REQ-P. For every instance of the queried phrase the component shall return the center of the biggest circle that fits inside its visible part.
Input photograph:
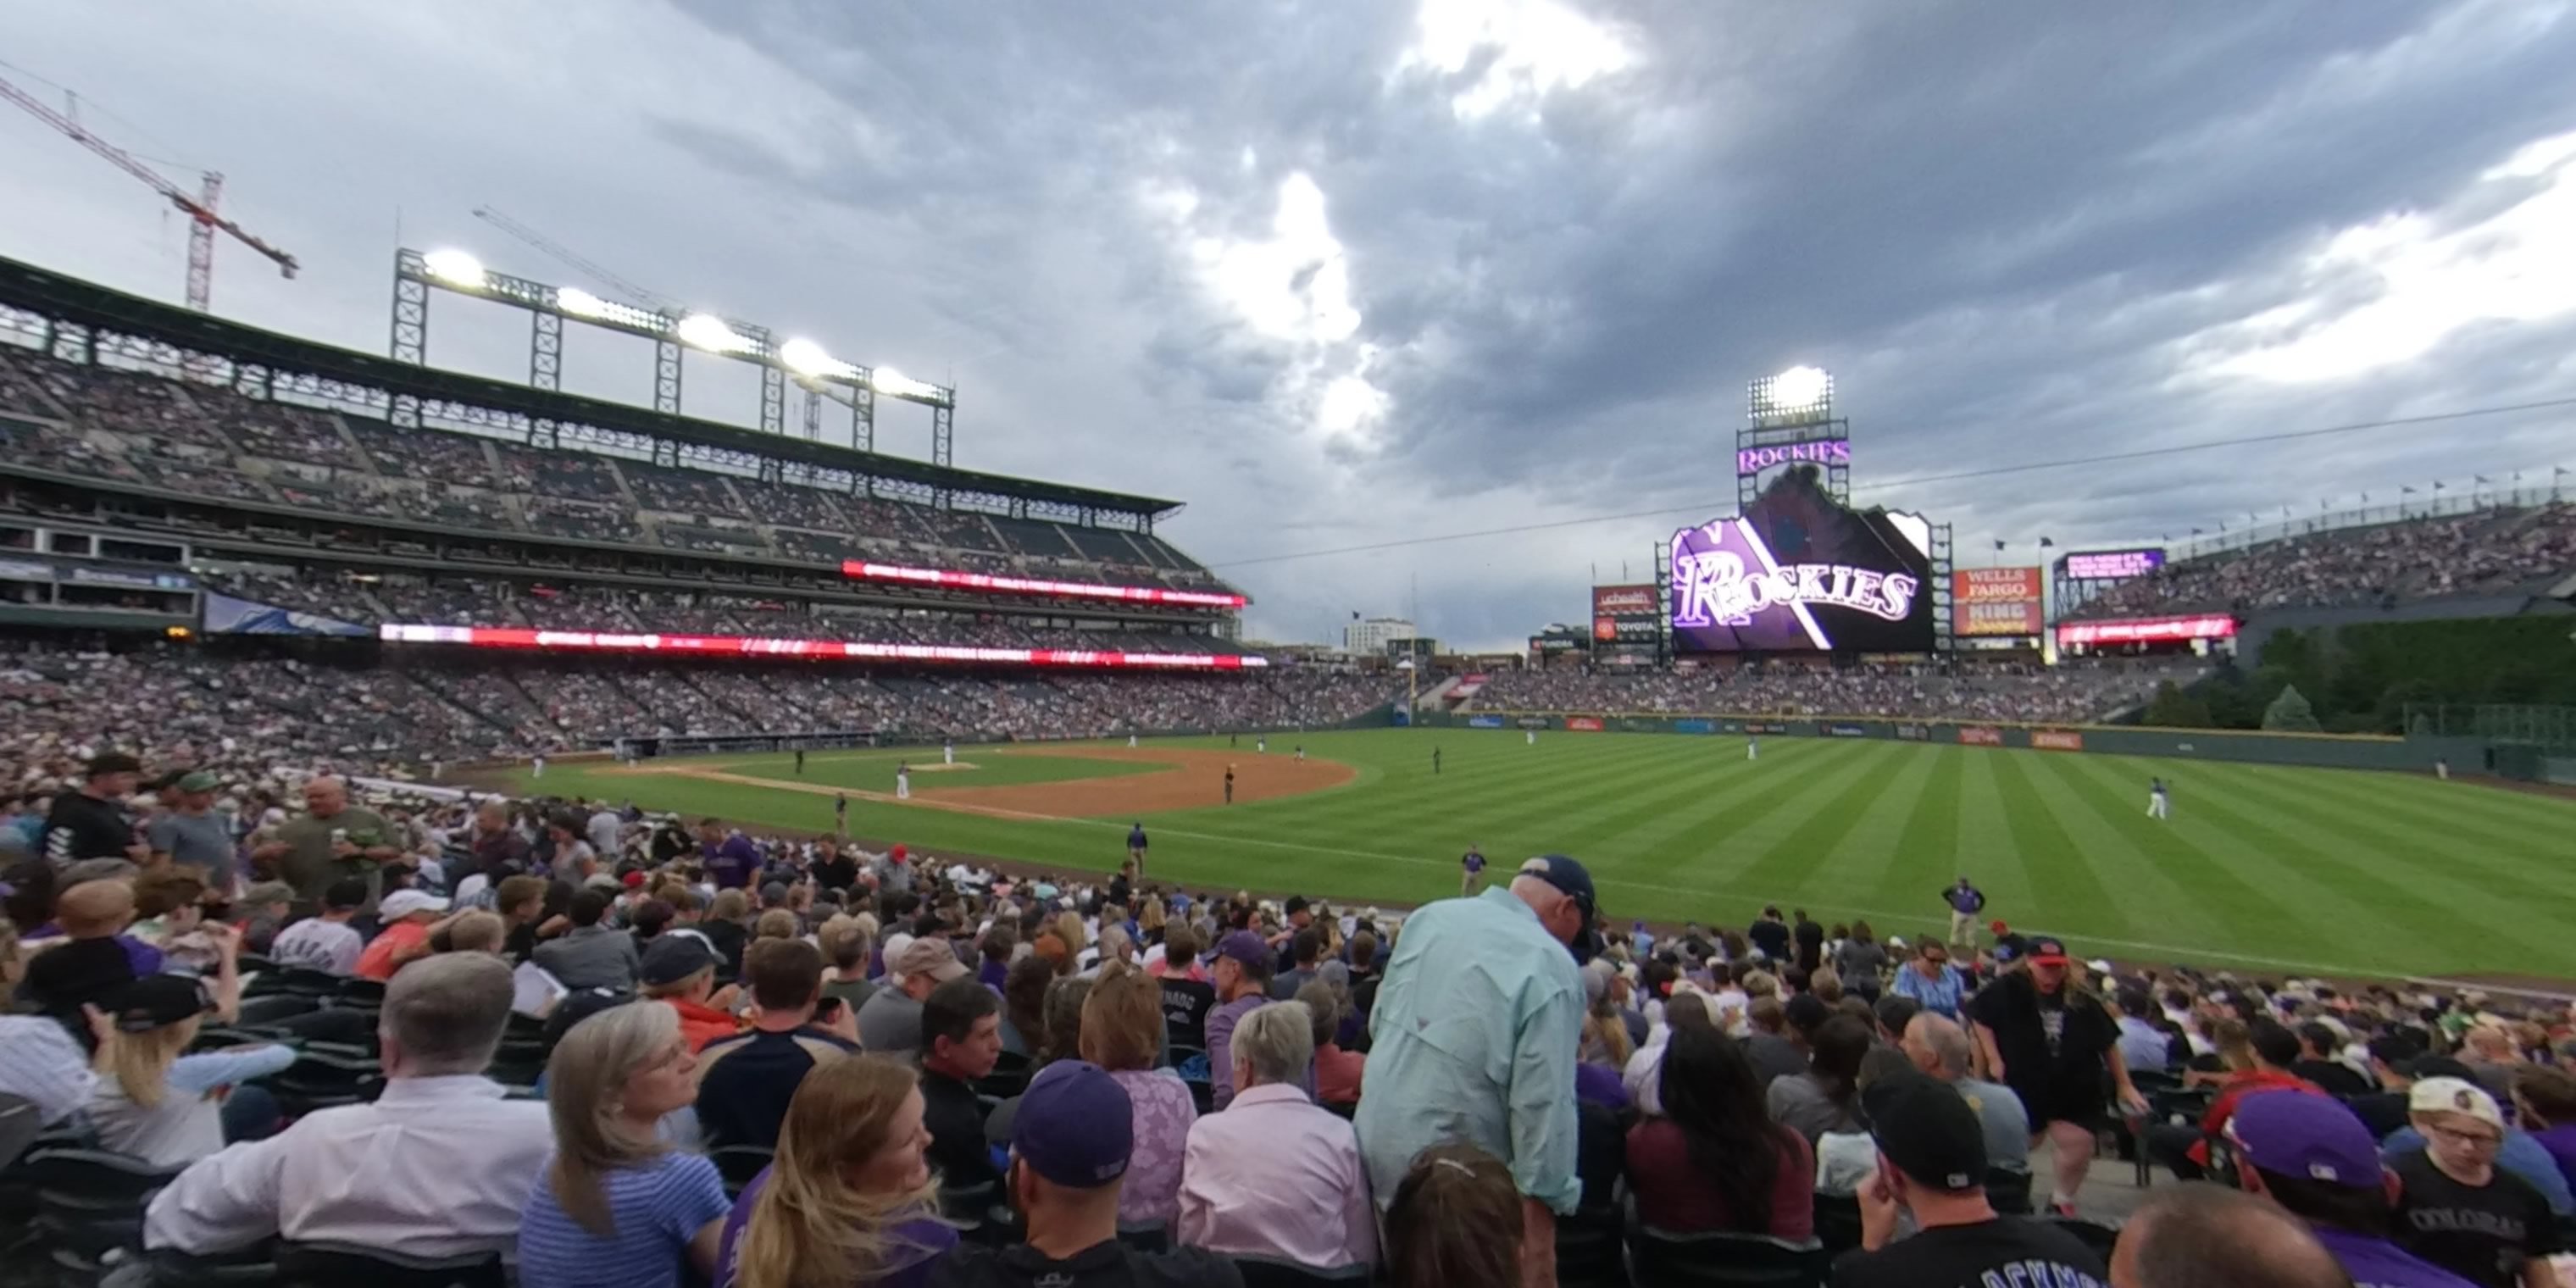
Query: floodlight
(806, 358)
(708, 332)
(454, 267)
(895, 384)
(579, 303)
(576, 302)
(1799, 387)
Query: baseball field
(2279, 869)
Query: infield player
(537, 767)
(800, 762)
(948, 752)
(1229, 784)
(2159, 802)
(1301, 753)
(1136, 846)
(903, 782)
(1261, 746)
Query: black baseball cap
(113, 762)
(673, 958)
(153, 1001)
(1925, 1129)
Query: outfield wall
(2333, 751)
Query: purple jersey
(1474, 862)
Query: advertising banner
(1631, 614)
(1484, 722)
(2147, 630)
(1846, 731)
(1764, 726)
(1995, 601)
(946, 579)
(1981, 736)
(1583, 724)
(1914, 732)
(752, 646)
(1534, 722)
(1693, 726)
(2057, 740)
(1814, 451)
(1799, 571)
(226, 615)
(2112, 565)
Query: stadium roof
(69, 299)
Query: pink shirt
(1276, 1176)
(1163, 1113)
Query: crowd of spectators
(136, 428)
(1999, 692)
(624, 1049)
(2482, 552)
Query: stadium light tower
(1792, 420)
(1798, 396)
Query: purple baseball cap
(2305, 1136)
(1075, 1126)
(1246, 947)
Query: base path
(1190, 780)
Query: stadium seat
(89, 1205)
(1145, 1236)
(2008, 1190)
(272, 1007)
(19, 1127)
(1271, 1272)
(322, 1079)
(336, 1265)
(252, 1267)
(1588, 1250)
(1838, 1222)
(297, 981)
(1731, 1260)
(738, 1164)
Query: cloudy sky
(1339, 274)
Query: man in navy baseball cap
(1574, 881)
(1070, 1143)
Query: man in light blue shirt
(1474, 1038)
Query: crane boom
(200, 209)
(635, 295)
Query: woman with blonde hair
(616, 1207)
(850, 1200)
(1122, 1026)
(160, 1104)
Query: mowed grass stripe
(2064, 885)
(2503, 850)
(1793, 861)
(1768, 788)
(2198, 860)
(1923, 850)
(1989, 853)
(2316, 794)
(1862, 857)
(2293, 872)
(1668, 816)
(2108, 835)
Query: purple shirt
(732, 863)
(2561, 1143)
(1164, 1111)
(2377, 1263)
(1600, 1085)
(913, 1247)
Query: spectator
(265, 910)
(1305, 950)
(1338, 1073)
(1024, 994)
(331, 840)
(2544, 1098)
(1069, 1148)
(192, 835)
(731, 860)
(997, 945)
(1476, 1030)
(2052, 1042)
(471, 931)
(2203, 1236)
(1714, 1160)
(1825, 1098)
(93, 957)
(1188, 997)
(1766, 1040)
(617, 1207)
(1932, 1166)
(1242, 979)
(2314, 1158)
(2142, 1044)
(1861, 960)
(2259, 1057)
(679, 971)
(1928, 981)
(2455, 1207)
(407, 916)
(468, 1155)
(1456, 1220)
(167, 1107)
(746, 1081)
(1064, 1001)
(2317, 1062)
(90, 822)
(2520, 1154)
(39, 1061)
(326, 943)
(959, 1040)
(1122, 1030)
(521, 901)
(1939, 1049)
(1275, 1175)
(591, 954)
(850, 1199)
(724, 927)
(890, 1023)
(847, 942)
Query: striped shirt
(658, 1206)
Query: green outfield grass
(2280, 868)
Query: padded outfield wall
(2330, 751)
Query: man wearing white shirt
(1276, 1175)
(439, 1165)
(603, 829)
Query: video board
(1801, 572)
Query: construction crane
(203, 222)
(635, 295)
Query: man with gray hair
(1275, 1175)
(1474, 1038)
(1939, 1047)
(438, 1166)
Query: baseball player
(903, 782)
(2159, 802)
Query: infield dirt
(1188, 780)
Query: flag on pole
(2406, 491)
(2437, 485)
(1999, 543)
(2045, 543)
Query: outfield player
(800, 762)
(903, 782)
(1753, 749)
(1472, 865)
(2159, 803)
(1530, 736)
(841, 812)
(1435, 760)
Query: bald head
(1937, 1046)
(325, 795)
(2201, 1235)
